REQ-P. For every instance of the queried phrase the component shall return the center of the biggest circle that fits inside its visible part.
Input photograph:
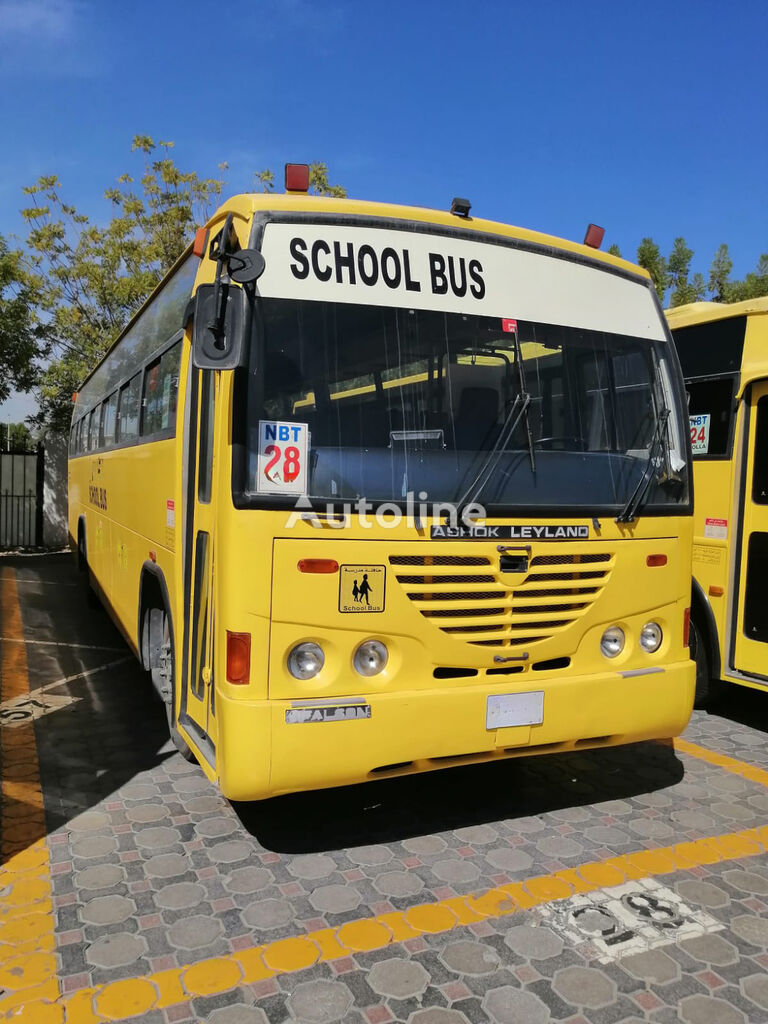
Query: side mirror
(217, 332)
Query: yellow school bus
(372, 490)
(723, 351)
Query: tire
(163, 675)
(706, 687)
(85, 574)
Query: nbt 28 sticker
(282, 457)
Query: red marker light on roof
(297, 177)
(594, 236)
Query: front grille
(556, 591)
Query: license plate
(505, 709)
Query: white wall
(55, 492)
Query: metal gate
(21, 498)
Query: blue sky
(649, 119)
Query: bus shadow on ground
(391, 810)
(741, 705)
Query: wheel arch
(153, 593)
(702, 614)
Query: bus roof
(705, 312)
(254, 202)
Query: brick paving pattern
(152, 869)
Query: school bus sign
(361, 588)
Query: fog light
(370, 658)
(612, 642)
(306, 660)
(651, 637)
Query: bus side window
(161, 386)
(128, 413)
(760, 461)
(93, 429)
(205, 455)
(108, 412)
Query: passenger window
(108, 421)
(93, 429)
(760, 460)
(161, 386)
(128, 412)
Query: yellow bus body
(427, 709)
(727, 515)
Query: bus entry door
(751, 632)
(199, 688)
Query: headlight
(306, 660)
(651, 637)
(370, 658)
(612, 642)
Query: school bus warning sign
(361, 588)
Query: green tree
(15, 435)
(679, 264)
(649, 257)
(89, 280)
(21, 343)
(754, 285)
(614, 250)
(719, 272)
(697, 287)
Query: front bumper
(260, 754)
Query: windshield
(399, 401)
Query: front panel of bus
(453, 513)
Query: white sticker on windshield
(282, 457)
(699, 433)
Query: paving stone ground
(152, 868)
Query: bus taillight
(238, 657)
(686, 626)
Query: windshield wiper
(518, 410)
(515, 414)
(628, 513)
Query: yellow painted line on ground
(27, 963)
(730, 764)
(133, 997)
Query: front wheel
(706, 687)
(85, 573)
(162, 671)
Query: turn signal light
(198, 247)
(686, 627)
(318, 565)
(297, 177)
(656, 560)
(238, 657)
